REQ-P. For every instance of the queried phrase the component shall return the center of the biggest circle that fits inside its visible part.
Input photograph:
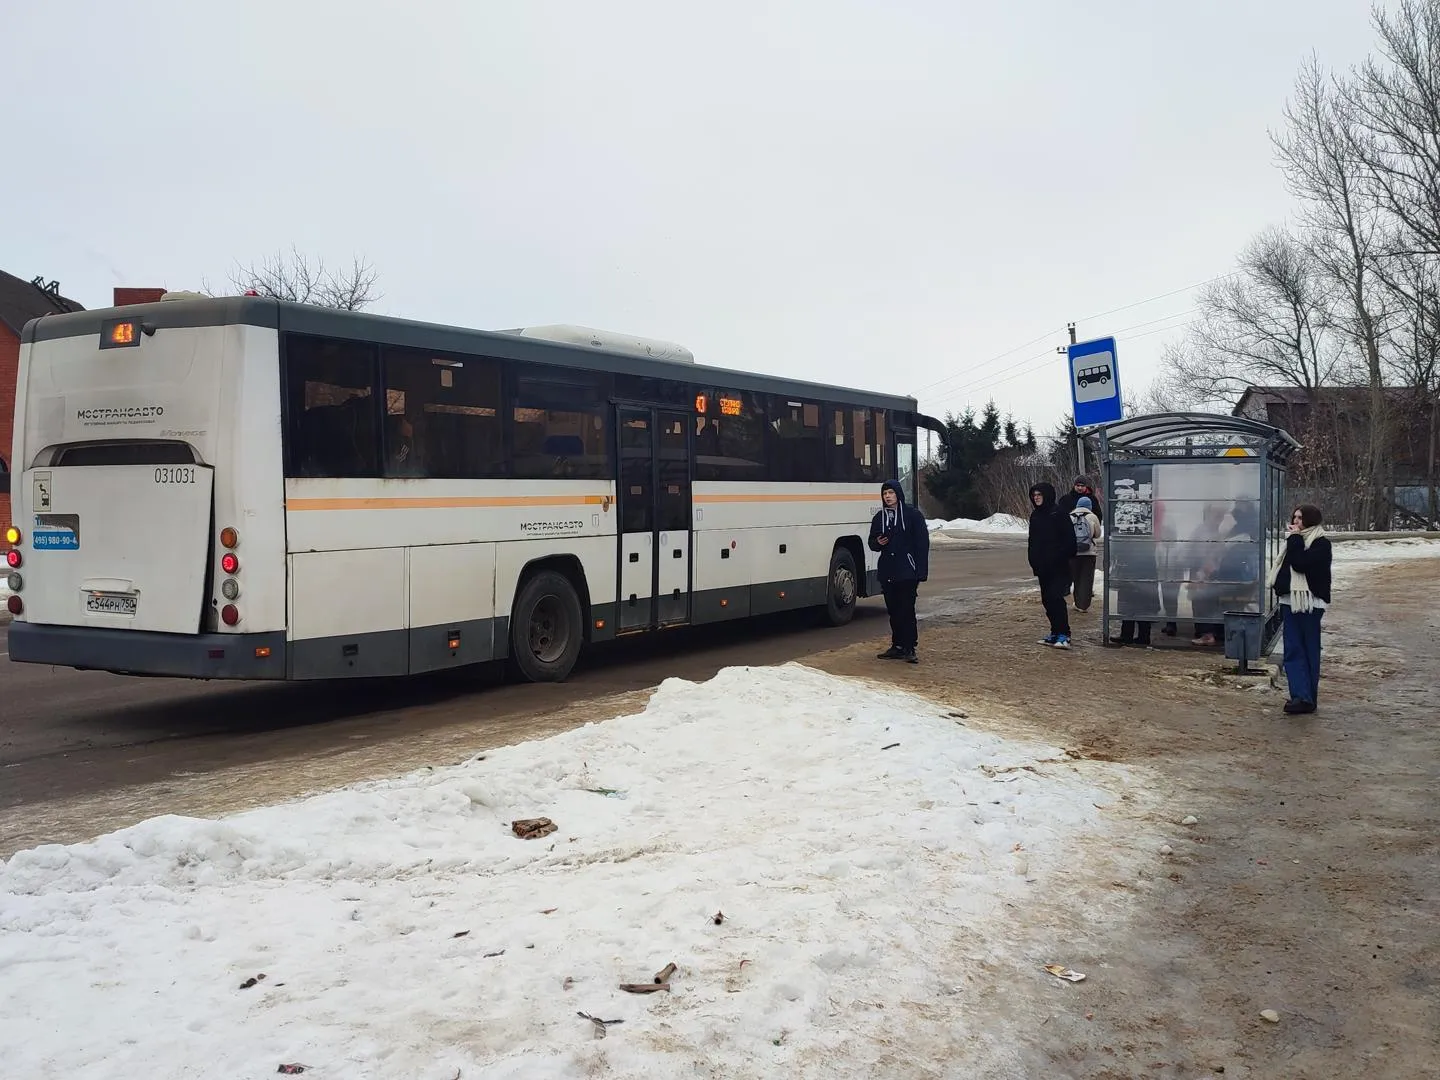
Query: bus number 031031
(175, 475)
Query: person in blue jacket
(899, 533)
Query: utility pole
(1079, 441)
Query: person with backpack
(1086, 527)
(1050, 548)
(1082, 489)
(901, 536)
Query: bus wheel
(545, 628)
(843, 589)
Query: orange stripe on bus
(456, 502)
(461, 502)
(798, 497)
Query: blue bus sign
(1094, 382)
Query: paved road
(65, 733)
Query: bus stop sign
(1094, 382)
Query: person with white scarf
(1301, 578)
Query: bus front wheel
(843, 590)
(546, 629)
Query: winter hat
(1083, 480)
(1083, 502)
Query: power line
(1035, 363)
(996, 378)
(1161, 296)
(987, 363)
(1152, 322)
(1100, 315)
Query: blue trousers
(1302, 653)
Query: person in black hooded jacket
(1051, 547)
(901, 536)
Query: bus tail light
(229, 562)
(14, 581)
(230, 589)
(12, 559)
(14, 605)
(230, 615)
(13, 535)
(229, 537)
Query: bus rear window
(120, 452)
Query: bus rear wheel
(546, 629)
(843, 590)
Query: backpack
(1083, 536)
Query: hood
(1047, 492)
(892, 517)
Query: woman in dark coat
(1301, 578)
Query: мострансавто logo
(106, 415)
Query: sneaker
(910, 657)
(892, 653)
(1062, 642)
(1048, 639)
(1298, 705)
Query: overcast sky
(882, 195)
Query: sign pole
(1079, 439)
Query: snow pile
(1357, 554)
(995, 523)
(870, 855)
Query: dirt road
(82, 753)
(1309, 886)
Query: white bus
(238, 488)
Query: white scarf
(1301, 599)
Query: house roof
(20, 301)
(1295, 395)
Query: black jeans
(1052, 596)
(900, 604)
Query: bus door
(654, 498)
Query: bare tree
(1396, 108)
(1269, 324)
(1168, 392)
(1414, 360)
(1319, 153)
(294, 277)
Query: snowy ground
(1359, 554)
(996, 523)
(871, 854)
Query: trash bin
(1243, 631)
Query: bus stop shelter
(1195, 514)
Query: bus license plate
(110, 603)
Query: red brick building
(20, 301)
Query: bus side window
(798, 441)
(333, 426)
(732, 445)
(561, 426)
(442, 415)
